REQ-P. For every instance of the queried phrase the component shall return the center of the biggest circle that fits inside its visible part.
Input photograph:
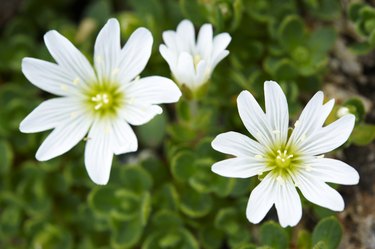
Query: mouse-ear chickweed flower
(286, 163)
(101, 100)
(192, 61)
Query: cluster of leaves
(165, 195)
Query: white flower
(101, 100)
(285, 162)
(190, 61)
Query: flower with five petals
(286, 162)
(100, 101)
(192, 62)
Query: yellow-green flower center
(196, 59)
(283, 159)
(104, 99)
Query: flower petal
(240, 167)
(107, 50)
(312, 118)
(254, 118)
(135, 55)
(138, 114)
(124, 139)
(50, 114)
(261, 199)
(153, 90)
(287, 203)
(236, 144)
(169, 38)
(220, 43)
(63, 138)
(218, 58)
(69, 57)
(328, 138)
(98, 152)
(186, 32)
(318, 192)
(48, 77)
(205, 42)
(276, 111)
(185, 71)
(335, 171)
(169, 56)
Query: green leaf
(239, 238)
(53, 237)
(355, 106)
(329, 231)
(304, 240)
(227, 220)
(326, 9)
(195, 204)
(182, 166)
(152, 134)
(363, 134)
(354, 11)
(273, 235)
(173, 238)
(166, 219)
(121, 204)
(285, 70)
(6, 157)
(103, 200)
(291, 32)
(322, 40)
(210, 237)
(320, 245)
(135, 178)
(166, 197)
(126, 234)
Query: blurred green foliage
(165, 195)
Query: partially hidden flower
(284, 162)
(192, 61)
(100, 100)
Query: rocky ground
(350, 76)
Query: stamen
(98, 106)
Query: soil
(352, 75)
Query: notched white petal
(237, 144)
(50, 114)
(334, 171)
(261, 200)
(241, 167)
(135, 54)
(63, 138)
(98, 152)
(154, 90)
